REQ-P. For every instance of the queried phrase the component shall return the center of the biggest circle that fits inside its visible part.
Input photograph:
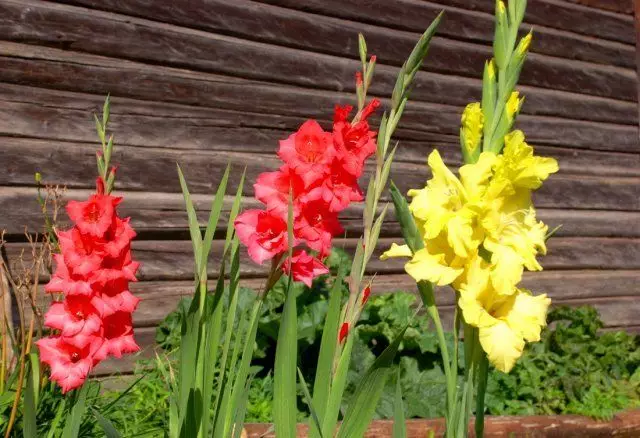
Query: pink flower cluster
(321, 171)
(93, 272)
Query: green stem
(428, 298)
(483, 373)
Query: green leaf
(422, 46)
(194, 227)
(338, 385)
(235, 208)
(214, 215)
(307, 396)
(106, 425)
(284, 397)
(322, 382)
(74, 418)
(30, 404)
(365, 399)
(106, 111)
(408, 226)
(399, 426)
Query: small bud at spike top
(374, 58)
(344, 331)
(99, 186)
(38, 177)
(365, 295)
(358, 78)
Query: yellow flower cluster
(480, 232)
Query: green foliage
(574, 369)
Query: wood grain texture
(73, 164)
(623, 6)
(568, 16)
(156, 213)
(132, 38)
(67, 116)
(172, 259)
(56, 68)
(459, 24)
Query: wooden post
(636, 4)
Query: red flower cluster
(93, 273)
(321, 171)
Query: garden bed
(625, 424)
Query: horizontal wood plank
(61, 164)
(56, 68)
(162, 215)
(623, 6)
(413, 15)
(132, 38)
(67, 116)
(566, 15)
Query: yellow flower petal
(506, 269)
(396, 251)
(502, 344)
(429, 267)
(528, 314)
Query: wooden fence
(205, 82)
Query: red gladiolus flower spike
(93, 273)
(320, 176)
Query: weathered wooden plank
(561, 14)
(172, 259)
(66, 116)
(60, 69)
(412, 15)
(132, 38)
(162, 214)
(623, 6)
(61, 164)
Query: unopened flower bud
(513, 105)
(38, 177)
(472, 124)
(365, 295)
(358, 79)
(344, 331)
(524, 44)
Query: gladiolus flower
(304, 267)
(69, 364)
(354, 143)
(308, 151)
(93, 217)
(263, 232)
(272, 189)
(316, 225)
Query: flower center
(310, 149)
(75, 357)
(92, 213)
